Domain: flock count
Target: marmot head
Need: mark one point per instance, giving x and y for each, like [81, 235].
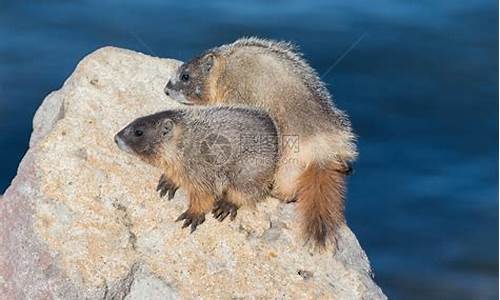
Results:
[190, 84]
[146, 136]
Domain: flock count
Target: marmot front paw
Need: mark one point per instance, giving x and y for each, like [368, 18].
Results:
[165, 186]
[192, 219]
[223, 208]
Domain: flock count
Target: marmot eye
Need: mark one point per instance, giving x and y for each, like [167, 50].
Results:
[138, 132]
[185, 77]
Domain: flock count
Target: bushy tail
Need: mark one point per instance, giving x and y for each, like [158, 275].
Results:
[320, 197]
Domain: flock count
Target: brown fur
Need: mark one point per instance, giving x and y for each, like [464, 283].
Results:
[200, 202]
[274, 76]
[321, 191]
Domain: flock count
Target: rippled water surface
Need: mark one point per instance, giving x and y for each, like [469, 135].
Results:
[418, 78]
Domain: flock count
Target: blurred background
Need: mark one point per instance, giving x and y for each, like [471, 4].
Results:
[419, 80]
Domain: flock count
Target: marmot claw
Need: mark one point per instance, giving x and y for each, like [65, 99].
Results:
[165, 186]
[191, 219]
[224, 208]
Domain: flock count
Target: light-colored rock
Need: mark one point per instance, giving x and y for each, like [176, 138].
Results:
[82, 220]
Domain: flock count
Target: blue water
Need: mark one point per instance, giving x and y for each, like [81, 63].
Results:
[420, 83]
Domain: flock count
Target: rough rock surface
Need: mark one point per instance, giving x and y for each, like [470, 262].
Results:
[82, 220]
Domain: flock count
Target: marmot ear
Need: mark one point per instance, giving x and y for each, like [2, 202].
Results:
[208, 62]
[167, 126]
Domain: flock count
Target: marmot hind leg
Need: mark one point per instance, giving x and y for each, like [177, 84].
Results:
[284, 187]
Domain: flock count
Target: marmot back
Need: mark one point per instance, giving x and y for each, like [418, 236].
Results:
[224, 157]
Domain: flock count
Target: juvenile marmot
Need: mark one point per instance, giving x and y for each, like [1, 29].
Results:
[223, 157]
[317, 141]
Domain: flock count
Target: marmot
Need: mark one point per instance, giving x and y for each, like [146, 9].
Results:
[223, 157]
[317, 141]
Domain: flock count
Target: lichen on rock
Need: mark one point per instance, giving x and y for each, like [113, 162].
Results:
[82, 220]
